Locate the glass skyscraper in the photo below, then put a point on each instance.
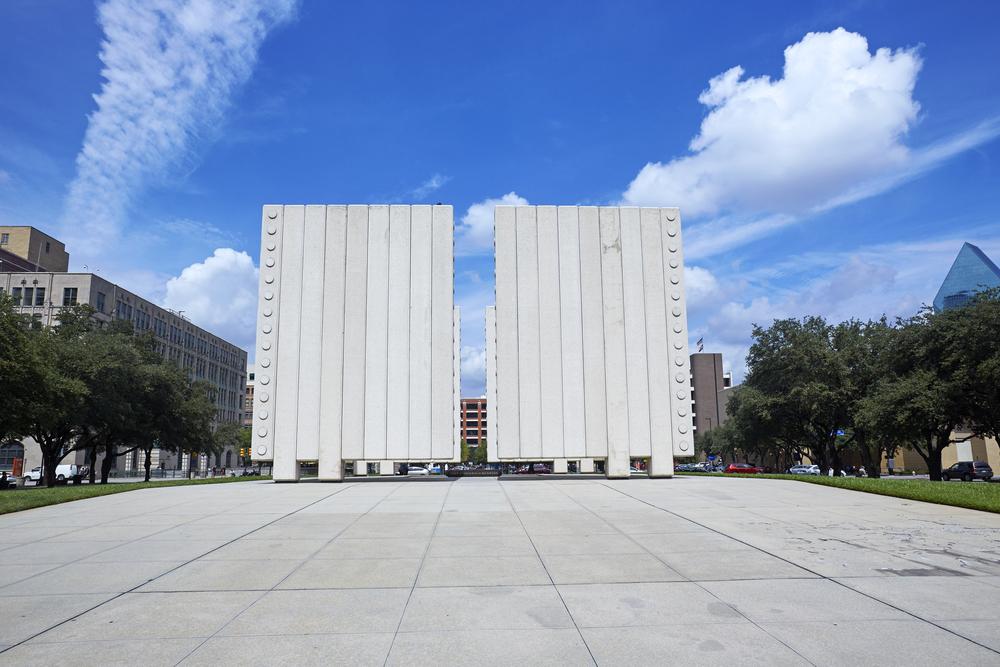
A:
(971, 272)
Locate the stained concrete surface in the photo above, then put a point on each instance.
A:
(481, 571)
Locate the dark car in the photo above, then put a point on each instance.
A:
(534, 469)
(968, 471)
(743, 468)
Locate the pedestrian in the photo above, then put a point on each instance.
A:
(829, 473)
(3, 480)
(890, 464)
(862, 472)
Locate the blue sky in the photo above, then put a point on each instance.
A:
(836, 172)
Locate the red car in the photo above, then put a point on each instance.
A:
(743, 469)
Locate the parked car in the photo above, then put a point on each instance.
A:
(684, 467)
(418, 471)
(968, 471)
(743, 468)
(534, 469)
(804, 470)
(11, 480)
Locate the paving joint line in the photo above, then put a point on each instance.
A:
(118, 595)
(416, 577)
(265, 591)
(821, 576)
(688, 579)
(548, 574)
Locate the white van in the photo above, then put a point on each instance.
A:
(63, 472)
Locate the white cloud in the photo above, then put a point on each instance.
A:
(170, 69)
(474, 233)
(894, 279)
(432, 184)
(473, 370)
(218, 294)
(771, 152)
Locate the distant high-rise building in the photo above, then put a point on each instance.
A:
(971, 272)
(707, 380)
(473, 418)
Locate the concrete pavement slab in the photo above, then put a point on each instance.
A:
(322, 612)
(603, 569)
(494, 607)
(354, 573)
(313, 649)
(483, 571)
(495, 647)
(122, 652)
(645, 604)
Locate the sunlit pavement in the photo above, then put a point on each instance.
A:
(479, 571)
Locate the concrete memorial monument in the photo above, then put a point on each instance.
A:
(586, 348)
(357, 351)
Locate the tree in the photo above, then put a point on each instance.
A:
(802, 390)
(13, 361)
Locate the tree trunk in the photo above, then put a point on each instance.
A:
(50, 459)
(92, 460)
(149, 454)
(109, 456)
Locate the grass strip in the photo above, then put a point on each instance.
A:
(16, 500)
(970, 495)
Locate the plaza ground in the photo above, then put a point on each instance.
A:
(480, 571)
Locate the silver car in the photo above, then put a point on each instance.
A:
(804, 470)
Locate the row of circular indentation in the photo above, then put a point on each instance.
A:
(682, 379)
(269, 260)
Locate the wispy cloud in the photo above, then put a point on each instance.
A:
(474, 232)
(432, 184)
(170, 69)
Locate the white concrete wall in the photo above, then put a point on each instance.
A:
(357, 338)
(586, 349)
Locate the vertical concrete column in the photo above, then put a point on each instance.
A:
(421, 252)
(331, 466)
(398, 389)
(310, 359)
(269, 288)
(560, 466)
(377, 333)
(635, 333)
(355, 308)
(506, 408)
(679, 360)
(285, 465)
(587, 465)
(592, 314)
(442, 328)
(528, 323)
(571, 333)
(661, 451)
(386, 468)
(550, 337)
(491, 384)
(614, 344)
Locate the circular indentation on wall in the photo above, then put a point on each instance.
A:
(261, 451)
(682, 429)
(268, 296)
(671, 215)
(679, 377)
(272, 229)
(266, 328)
(675, 295)
(672, 247)
(682, 413)
(264, 379)
(262, 432)
(268, 279)
(679, 361)
(678, 345)
(263, 414)
(674, 263)
(264, 363)
(674, 278)
(266, 345)
(272, 213)
(684, 446)
(264, 397)
(269, 261)
(672, 230)
(271, 246)
(267, 312)
(677, 328)
(681, 395)
(676, 310)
